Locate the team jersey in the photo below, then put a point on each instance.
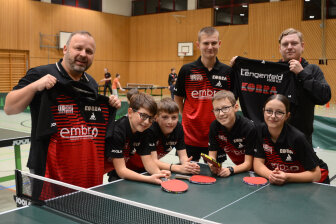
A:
(237, 143)
(107, 75)
(291, 153)
(35, 159)
(198, 85)
(162, 144)
(256, 80)
(125, 144)
(71, 128)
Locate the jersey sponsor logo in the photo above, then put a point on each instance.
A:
(135, 144)
(133, 152)
(65, 109)
(277, 78)
(219, 84)
(21, 141)
(286, 151)
(79, 132)
(196, 77)
(171, 143)
(236, 152)
(92, 108)
(267, 148)
(285, 168)
(289, 158)
(52, 125)
(151, 144)
(116, 151)
(219, 77)
(258, 88)
(93, 117)
(203, 94)
(222, 137)
(238, 140)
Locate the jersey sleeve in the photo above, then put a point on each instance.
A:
(313, 81)
(213, 143)
(306, 154)
(115, 143)
(143, 148)
(251, 141)
(180, 138)
(151, 140)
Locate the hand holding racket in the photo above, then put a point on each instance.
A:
(211, 160)
(197, 179)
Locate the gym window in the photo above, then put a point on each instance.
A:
(312, 9)
(228, 12)
(143, 7)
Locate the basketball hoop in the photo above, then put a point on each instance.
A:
(182, 54)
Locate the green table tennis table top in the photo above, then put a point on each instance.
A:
(229, 200)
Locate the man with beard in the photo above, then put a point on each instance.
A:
(78, 56)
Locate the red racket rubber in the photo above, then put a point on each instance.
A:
(255, 181)
(174, 186)
(197, 179)
(211, 160)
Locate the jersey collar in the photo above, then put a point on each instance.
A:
(60, 68)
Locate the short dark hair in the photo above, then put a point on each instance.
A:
(223, 94)
(117, 75)
(209, 30)
(131, 92)
(283, 99)
(167, 105)
(143, 100)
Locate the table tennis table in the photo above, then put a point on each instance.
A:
(229, 200)
(13, 138)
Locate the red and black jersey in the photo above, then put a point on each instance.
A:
(157, 141)
(125, 144)
(35, 157)
(291, 153)
(198, 85)
(256, 80)
(71, 130)
(237, 143)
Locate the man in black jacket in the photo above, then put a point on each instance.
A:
(311, 87)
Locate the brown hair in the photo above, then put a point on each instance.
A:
(283, 99)
(208, 31)
(143, 100)
(290, 31)
(168, 105)
(223, 94)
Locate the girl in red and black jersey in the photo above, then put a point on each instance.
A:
(283, 153)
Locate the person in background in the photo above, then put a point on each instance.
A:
(107, 81)
(116, 85)
(172, 77)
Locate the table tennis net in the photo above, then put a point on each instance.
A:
(92, 206)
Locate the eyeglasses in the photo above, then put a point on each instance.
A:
(278, 114)
(224, 109)
(144, 116)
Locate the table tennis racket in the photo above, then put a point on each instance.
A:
(197, 179)
(255, 181)
(211, 160)
(173, 186)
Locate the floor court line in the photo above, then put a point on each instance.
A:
(235, 201)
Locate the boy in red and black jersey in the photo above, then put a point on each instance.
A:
(167, 134)
(126, 149)
(197, 83)
(232, 135)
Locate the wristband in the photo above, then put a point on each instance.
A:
(170, 168)
(231, 170)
